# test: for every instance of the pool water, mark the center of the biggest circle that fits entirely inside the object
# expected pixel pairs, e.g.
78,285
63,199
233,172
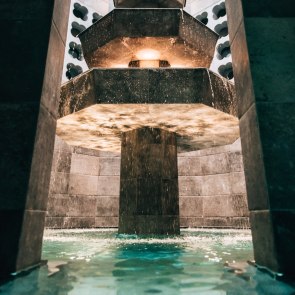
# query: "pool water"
199,262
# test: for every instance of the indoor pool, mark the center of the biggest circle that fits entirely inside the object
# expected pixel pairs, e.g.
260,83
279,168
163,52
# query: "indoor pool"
86,262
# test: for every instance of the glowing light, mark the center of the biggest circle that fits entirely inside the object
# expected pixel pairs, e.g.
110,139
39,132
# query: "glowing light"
148,54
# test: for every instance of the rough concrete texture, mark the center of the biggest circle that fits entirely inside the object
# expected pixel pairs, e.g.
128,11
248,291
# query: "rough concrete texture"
211,185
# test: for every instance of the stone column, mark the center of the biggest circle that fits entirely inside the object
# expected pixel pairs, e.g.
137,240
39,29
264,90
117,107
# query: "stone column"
265,39
30,76
149,198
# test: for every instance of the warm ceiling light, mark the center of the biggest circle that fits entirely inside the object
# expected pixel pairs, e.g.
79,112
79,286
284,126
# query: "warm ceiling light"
148,54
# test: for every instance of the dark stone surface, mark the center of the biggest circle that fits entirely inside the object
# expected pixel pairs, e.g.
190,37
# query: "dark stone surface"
138,23
149,3
148,86
77,94
29,98
10,230
242,73
148,194
268,8
267,125
277,129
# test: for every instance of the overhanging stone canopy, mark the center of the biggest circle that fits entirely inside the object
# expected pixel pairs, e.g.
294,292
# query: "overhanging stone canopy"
196,104
171,35
150,3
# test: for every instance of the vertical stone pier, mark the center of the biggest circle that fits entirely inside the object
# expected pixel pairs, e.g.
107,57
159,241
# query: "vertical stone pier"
149,197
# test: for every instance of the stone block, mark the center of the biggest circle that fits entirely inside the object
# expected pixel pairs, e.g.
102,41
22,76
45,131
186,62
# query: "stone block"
25,84
273,75
107,221
53,72
30,240
81,206
190,185
264,239
107,206
149,224
277,135
213,185
83,185
59,183
284,230
85,151
234,11
37,193
236,162
61,161
18,129
189,166
227,222
108,186
242,73
149,196
215,164
84,164
60,17
191,222
70,222
109,166
268,9
256,183
10,230
237,183
58,206
128,197
170,197
191,207
225,206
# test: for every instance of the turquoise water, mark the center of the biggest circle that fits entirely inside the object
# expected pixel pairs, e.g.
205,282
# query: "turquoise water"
86,262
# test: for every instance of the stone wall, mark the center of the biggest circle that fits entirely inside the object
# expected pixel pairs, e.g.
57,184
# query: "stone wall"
84,189
212,188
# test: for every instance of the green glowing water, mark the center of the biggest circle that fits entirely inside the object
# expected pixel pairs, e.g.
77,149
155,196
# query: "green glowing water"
86,262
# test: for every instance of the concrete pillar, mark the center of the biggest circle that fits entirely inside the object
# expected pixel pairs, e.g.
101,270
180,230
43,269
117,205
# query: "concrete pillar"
149,198
30,76
264,39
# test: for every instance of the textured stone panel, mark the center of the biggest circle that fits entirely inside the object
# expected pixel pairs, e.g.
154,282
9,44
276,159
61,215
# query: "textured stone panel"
38,188
59,183
191,206
215,164
30,241
237,180
256,183
108,186
225,206
107,206
277,134
242,73
189,166
215,185
83,185
236,162
106,221
109,166
190,185
84,164
70,222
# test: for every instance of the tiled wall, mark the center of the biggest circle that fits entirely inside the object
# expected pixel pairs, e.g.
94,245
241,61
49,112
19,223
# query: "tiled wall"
84,190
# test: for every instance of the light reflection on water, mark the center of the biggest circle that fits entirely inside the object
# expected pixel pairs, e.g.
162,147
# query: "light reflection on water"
102,262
